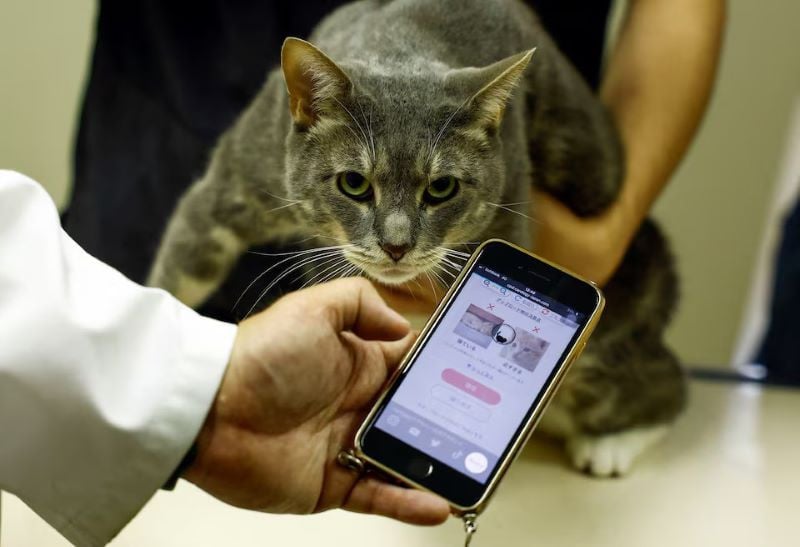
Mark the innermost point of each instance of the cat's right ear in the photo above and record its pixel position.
(312, 80)
(498, 83)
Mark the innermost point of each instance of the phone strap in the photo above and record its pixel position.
(470, 527)
(348, 458)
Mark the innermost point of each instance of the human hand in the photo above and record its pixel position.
(300, 378)
(592, 247)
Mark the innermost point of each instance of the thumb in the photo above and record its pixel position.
(393, 352)
(353, 304)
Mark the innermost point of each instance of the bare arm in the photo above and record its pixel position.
(657, 87)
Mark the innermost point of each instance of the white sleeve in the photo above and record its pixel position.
(104, 384)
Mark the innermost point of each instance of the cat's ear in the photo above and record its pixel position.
(489, 103)
(312, 80)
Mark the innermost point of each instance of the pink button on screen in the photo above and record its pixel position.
(468, 385)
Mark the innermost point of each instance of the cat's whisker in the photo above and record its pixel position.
(454, 251)
(351, 268)
(465, 244)
(357, 271)
(282, 207)
(315, 267)
(523, 215)
(447, 269)
(438, 276)
(263, 191)
(515, 203)
(459, 254)
(302, 251)
(368, 122)
(454, 267)
(351, 272)
(305, 260)
(454, 255)
(327, 258)
(290, 256)
(433, 289)
(440, 280)
(336, 262)
(365, 141)
(304, 240)
(442, 130)
(371, 134)
(450, 261)
(411, 290)
(334, 273)
(324, 236)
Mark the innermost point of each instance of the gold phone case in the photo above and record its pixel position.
(529, 426)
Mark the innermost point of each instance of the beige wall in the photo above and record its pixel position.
(713, 210)
(44, 51)
(715, 207)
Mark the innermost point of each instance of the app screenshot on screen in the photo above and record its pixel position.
(479, 372)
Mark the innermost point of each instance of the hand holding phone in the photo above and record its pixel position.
(472, 388)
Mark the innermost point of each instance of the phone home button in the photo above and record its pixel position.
(420, 468)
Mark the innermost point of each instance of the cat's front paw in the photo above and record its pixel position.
(611, 455)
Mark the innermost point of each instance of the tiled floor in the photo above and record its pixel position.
(727, 476)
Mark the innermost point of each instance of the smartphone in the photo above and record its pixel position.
(482, 371)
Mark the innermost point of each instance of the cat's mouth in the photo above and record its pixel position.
(391, 275)
(386, 273)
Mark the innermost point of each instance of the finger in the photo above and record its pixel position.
(412, 506)
(393, 352)
(355, 305)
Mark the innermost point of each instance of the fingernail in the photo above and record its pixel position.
(398, 317)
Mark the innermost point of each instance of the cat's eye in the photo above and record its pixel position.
(441, 190)
(354, 185)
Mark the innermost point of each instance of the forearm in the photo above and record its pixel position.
(657, 86)
(103, 383)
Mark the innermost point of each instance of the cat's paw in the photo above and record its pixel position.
(611, 455)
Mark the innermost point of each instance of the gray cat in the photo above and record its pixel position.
(435, 117)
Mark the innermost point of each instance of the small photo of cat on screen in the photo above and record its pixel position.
(478, 326)
(526, 350)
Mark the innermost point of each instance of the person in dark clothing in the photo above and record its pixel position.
(778, 352)
(168, 78)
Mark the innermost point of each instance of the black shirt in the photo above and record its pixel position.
(167, 78)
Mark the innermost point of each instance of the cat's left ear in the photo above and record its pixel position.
(489, 103)
(312, 80)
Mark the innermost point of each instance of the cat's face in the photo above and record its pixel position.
(396, 167)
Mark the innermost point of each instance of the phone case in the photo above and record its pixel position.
(530, 424)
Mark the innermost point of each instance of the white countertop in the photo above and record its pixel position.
(727, 475)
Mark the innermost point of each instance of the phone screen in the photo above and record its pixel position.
(475, 380)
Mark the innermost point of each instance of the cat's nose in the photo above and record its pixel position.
(396, 251)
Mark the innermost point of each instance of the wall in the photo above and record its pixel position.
(44, 51)
(714, 209)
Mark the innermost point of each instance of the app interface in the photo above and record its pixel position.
(479, 372)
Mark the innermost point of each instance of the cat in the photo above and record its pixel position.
(405, 140)
(526, 351)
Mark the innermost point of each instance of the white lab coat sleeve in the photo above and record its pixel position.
(104, 384)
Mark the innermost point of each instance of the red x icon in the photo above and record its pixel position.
(535, 329)
(491, 306)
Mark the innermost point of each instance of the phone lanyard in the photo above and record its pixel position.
(470, 527)
(347, 458)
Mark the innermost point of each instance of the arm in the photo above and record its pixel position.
(657, 86)
(104, 385)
